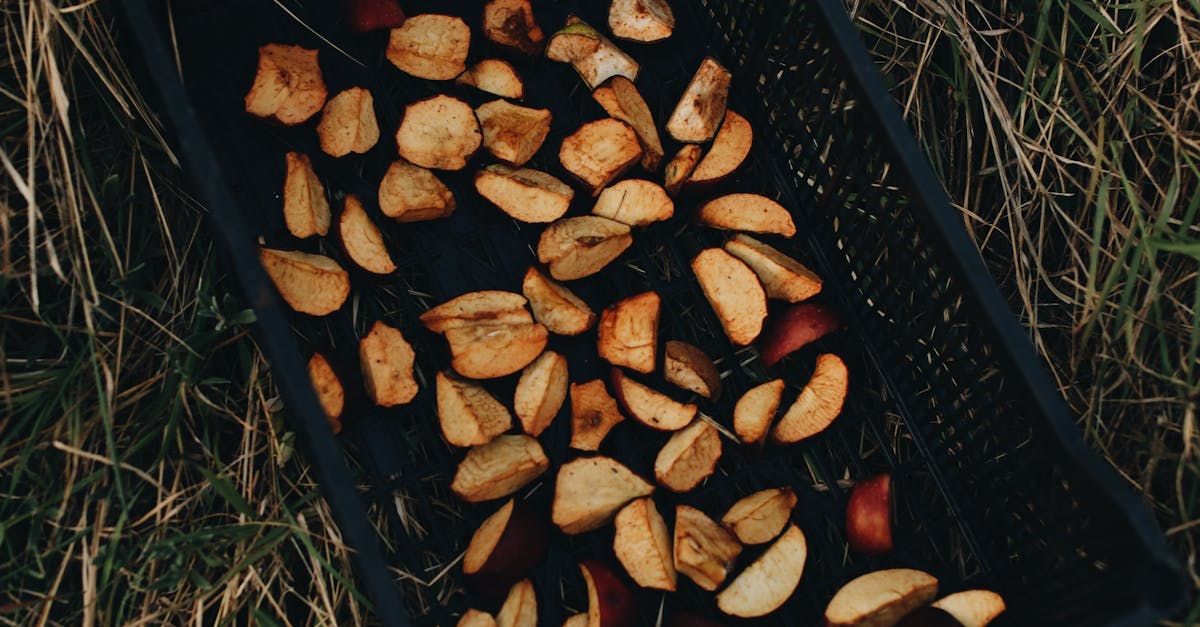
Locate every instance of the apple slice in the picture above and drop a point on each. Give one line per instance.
(305, 208)
(386, 360)
(491, 351)
(330, 393)
(310, 284)
(729, 149)
(755, 411)
(527, 195)
(578, 620)
(361, 239)
(651, 408)
(628, 332)
(601, 63)
(499, 468)
(363, 16)
(747, 212)
(410, 193)
(541, 392)
(556, 306)
(505, 547)
(513, 133)
(593, 414)
(485, 307)
(288, 86)
(573, 41)
(643, 545)
(430, 46)
(795, 328)
(348, 123)
(769, 582)
(704, 550)
(634, 202)
(869, 515)
(475, 618)
(701, 108)
(781, 276)
(582, 245)
(758, 518)
(599, 152)
(972, 608)
(689, 457)
(881, 598)
(467, 413)
(494, 77)
(610, 603)
(818, 404)
(929, 616)
(734, 293)
(688, 368)
(510, 23)
(520, 608)
(591, 490)
(439, 132)
(681, 166)
(641, 20)
(621, 99)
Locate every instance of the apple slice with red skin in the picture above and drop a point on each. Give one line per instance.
(729, 149)
(819, 403)
(475, 618)
(363, 16)
(929, 616)
(759, 517)
(590, 491)
(505, 547)
(593, 414)
(520, 607)
(881, 598)
(755, 411)
(610, 602)
(689, 457)
(689, 368)
(642, 544)
(650, 407)
(769, 582)
(704, 550)
(972, 608)
(794, 328)
(869, 515)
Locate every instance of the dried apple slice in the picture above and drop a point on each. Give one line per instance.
(651, 408)
(591, 490)
(634, 202)
(541, 392)
(572, 44)
(364, 16)
(361, 239)
(610, 603)
(798, 326)
(642, 543)
(485, 307)
(468, 414)
(701, 109)
(505, 547)
(581, 246)
(881, 598)
(573, 41)
(689, 457)
(475, 618)
(972, 608)
(305, 208)
(734, 293)
(758, 518)
(704, 550)
(410, 193)
(769, 582)
(688, 368)
(593, 414)
(513, 133)
(641, 20)
(288, 87)
(869, 515)
(499, 468)
(520, 608)
(729, 149)
(440, 132)
(494, 77)
(311, 284)
(556, 306)
(599, 152)
(510, 23)
(680, 167)
(818, 404)
(628, 332)
(386, 360)
(621, 99)
(430, 46)
(348, 123)
(491, 351)
(525, 194)
(755, 411)
(328, 387)
(782, 277)
(747, 212)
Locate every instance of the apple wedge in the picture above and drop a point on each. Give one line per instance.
(634, 202)
(541, 392)
(494, 77)
(364, 16)
(929, 616)
(701, 108)
(610, 602)
(704, 550)
(581, 246)
(591, 490)
(818, 404)
(782, 277)
(628, 332)
(680, 167)
(641, 20)
(729, 149)
(527, 195)
(689, 368)
(972, 608)
(475, 618)
(758, 518)
(651, 408)
(601, 63)
(505, 547)
(328, 387)
(468, 414)
(439, 132)
(512, 133)
(520, 607)
(755, 411)
(642, 543)
(348, 123)
(689, 457)
(747, 212)
(361, 239)
(770, 580)
(386, 360)
(288, 86)
(310, 284)
(305, 208)
(499, 468)
(621, 99)
(881, 598)
(556, 306)
(410, 193)
(599, 152)
(429, 46)
(734, 293)
(510, 23)
(485, 307)
(491, 351)
(796, 327)
(593, 414)
(869, 515)
(573, 41)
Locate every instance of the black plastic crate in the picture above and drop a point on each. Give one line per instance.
(997, 488)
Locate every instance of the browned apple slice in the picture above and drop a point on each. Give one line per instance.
(747, 212)
(798, 326)
(643, 545)
(348, 123)
(288, 87)
(475, 618)
(541, 392)
(591, 490)
(601, 63)
(701, 109)
(430, 46)
(755, 411)
(593, 414)
(386, 360)
(505, 547)
(689, 457)
(525, 194)
(972, 608)
(485, 307)
(628, 332)
(769, 582)
(499, 468)
(704, 550)
(621, 99)
(758, 518)
(578, 620)
(634, 202)
(410, 193)
(305, 208)
(494, 77)
(311, 284)
(556, 306)
(818, 404)
(599, 152)
(641, 20)
(610, 603)
(781, 276)
(513, 133)
(440, 132)
(687, 367)
(581, 246)
(328, 387)
(361, 239)
(881, 598)
(510, 23)
(680, 167)
(520, 608)
(869, 515)
(734, 293)
(469, 415)
(490, 351)
(573, 41)
(729, 149)
(651, 408)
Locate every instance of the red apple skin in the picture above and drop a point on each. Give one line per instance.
(367, 15)
(869, 516)
(520, 548)
(929, 616)
(617, 607)
(794, 328)
(687, 619)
